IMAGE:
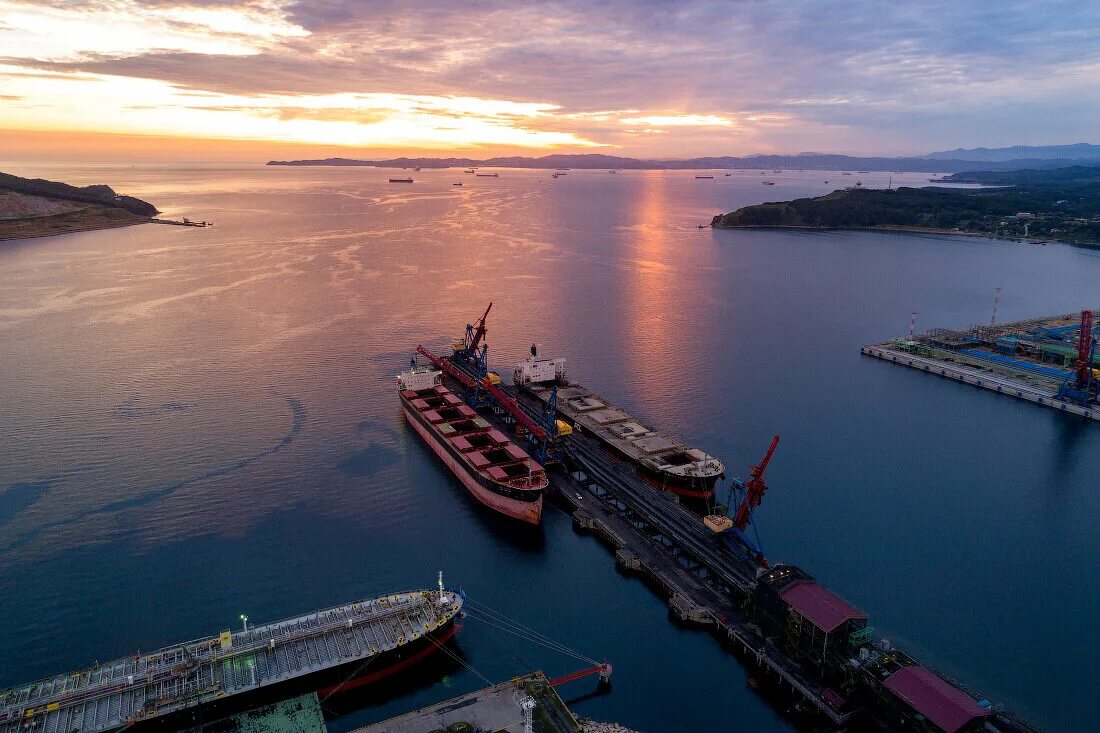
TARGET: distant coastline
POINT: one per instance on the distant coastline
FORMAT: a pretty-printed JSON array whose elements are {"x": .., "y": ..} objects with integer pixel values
[
  {"x": 804, "y": 161},
  {"x": 1060, "y": 205},
  {"x": 32, "y": 208}
]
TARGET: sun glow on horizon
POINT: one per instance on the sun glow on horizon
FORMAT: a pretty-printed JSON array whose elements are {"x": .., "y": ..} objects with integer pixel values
[{"x": 99, "y": 103}]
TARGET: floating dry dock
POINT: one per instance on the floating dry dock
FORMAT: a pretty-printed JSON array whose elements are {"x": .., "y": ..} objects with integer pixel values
[
  {"x": 232, "y": 671},
  {"x": 1048, "y": 361}
]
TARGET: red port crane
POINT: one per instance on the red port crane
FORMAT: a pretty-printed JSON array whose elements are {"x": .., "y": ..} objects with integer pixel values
[
  {"x": 1084, "y": 351},
  {"x": 754, "y": 489},
  {"x": 476, "y": 331},
  {"x": 508, "y": 403}
]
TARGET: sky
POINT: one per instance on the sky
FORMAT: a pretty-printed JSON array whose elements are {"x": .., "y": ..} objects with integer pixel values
[{"x": 168, "y": 79}]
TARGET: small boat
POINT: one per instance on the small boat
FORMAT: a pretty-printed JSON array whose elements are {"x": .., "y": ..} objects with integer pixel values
[
  {"x": 826, "y": 181},
  {"x": 768, "y": 183},
  {"x": 556, "y": 175},
  {"x": 488, "y": 175},
  {"x": 699, "y": 177},
  {"x": 728, "y": 175},
  {"x": 845, "y": 173},
  {"x": 456, "y": 184},
  {"x": 469, "y": 170},
  {"x": 417, "y": 168},
  {"x": 401, "y": 180}
]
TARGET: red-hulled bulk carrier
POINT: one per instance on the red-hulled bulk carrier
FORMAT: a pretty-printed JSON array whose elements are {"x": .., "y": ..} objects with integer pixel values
[{"x": 496, "y": 471}]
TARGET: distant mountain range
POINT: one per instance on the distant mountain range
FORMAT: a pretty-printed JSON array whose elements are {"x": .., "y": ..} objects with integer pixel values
[
  {"x": 810, "y": 161},
  {"x": 1077, "y": 152}
]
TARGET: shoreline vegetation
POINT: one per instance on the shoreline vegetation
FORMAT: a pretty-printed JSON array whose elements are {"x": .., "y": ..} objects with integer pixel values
[
  {"x": 1058, "y": 205},
  {"x": 31, "y": 208}
]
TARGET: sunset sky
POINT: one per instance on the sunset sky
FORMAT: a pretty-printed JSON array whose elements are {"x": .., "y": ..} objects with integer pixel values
[{"x": 120, "y": 79}]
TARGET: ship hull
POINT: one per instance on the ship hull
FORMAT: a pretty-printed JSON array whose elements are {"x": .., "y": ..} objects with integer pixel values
[
  {"x": 692, "y": 487},
  {"x": 353, "y": 675},
  {"x": 525, "y": 511},
  {"x": 695, "y": 487}
]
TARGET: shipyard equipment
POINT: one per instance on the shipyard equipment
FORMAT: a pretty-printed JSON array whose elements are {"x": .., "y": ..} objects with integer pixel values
[
  {"x": 467, "y": 346},
  {"x": 1079, "y": 387},
  {"x": 748, "y": 495},
  {"x": 547, "y": 448}
]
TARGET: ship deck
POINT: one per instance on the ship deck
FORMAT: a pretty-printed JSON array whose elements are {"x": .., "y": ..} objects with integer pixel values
[
  {"x": 118, "y": 693},
  {"x": 486, "y": 450},
  {"x": 599, "y": 417}
]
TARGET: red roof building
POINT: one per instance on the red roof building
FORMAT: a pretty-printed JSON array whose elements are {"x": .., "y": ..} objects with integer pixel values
[
  {"x": 940, "y": 702},
  {"x": 821, "y": 607}
]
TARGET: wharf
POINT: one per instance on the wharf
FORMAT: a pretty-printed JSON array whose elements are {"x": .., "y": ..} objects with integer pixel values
[
  {"x": 657, "y": 538},
  {"x": 499, "y": 708},
  {"x": 1029, "y": 391},
  {"x": 707, "y": 583}
]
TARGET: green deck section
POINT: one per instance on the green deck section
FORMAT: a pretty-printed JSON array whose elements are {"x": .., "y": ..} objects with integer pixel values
[{"x": 296, "y": 715}]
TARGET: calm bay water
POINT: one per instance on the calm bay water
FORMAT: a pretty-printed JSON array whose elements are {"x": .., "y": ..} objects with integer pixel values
[{"x": 196, "y": 423}]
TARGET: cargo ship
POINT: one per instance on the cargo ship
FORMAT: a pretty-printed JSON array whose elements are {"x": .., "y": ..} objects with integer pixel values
[
  {"x": 663, "y": 461},
  {"x": 498, "y": 473},
  {"x": 330, "y": 651}
]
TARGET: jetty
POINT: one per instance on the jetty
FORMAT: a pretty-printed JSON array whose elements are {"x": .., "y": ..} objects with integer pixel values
[
  {"x": 1049, "y": 361},
  {"x": 509, "y": 707},
  {"x": 184, "y": 222},
  {"x": 806, "y": 649}
]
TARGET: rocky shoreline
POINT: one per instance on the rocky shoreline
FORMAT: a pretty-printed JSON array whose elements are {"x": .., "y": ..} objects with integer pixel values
[{"x": 595, "y": 726}]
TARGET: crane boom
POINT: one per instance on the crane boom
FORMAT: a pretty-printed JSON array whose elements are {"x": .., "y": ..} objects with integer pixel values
[
  {"x": 603, "y": 669},
  {"x": 508, "y": 403},
  {"x": 478, "y": 330},
  {"x": 754, "y": 489}
]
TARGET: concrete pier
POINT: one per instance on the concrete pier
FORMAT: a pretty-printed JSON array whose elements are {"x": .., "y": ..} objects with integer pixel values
[
  {"x": 981, "y": 378},
  {"x": 497, "y": 708}
]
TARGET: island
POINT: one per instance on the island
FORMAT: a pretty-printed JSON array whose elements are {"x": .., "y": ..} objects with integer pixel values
[
  {"x": 1061, "y": 204},
  {"x": 34, "y": 207}
]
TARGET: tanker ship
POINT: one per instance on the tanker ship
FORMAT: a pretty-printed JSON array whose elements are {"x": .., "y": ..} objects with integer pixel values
[
  {"x": 331, "y": 650},
  {"x": 498, "y": 473},
  {"x": 663, "y": 461}
]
